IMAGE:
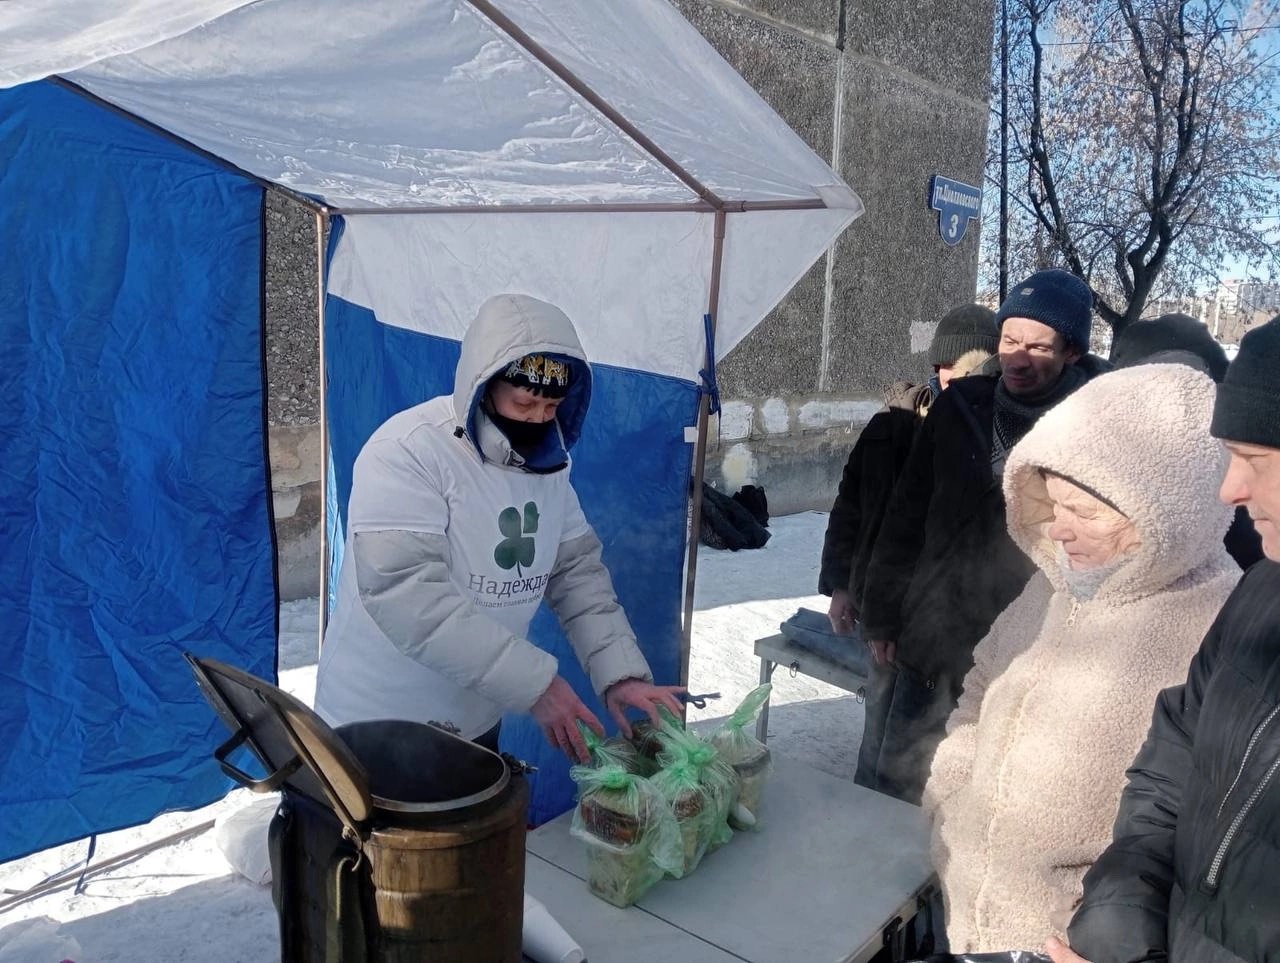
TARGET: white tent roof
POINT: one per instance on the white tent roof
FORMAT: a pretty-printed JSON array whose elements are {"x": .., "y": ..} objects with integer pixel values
[
  {"x": 390, "y": 103},
  {"x": 43, "y": 37},
  {"x": 529, "y": 105}
]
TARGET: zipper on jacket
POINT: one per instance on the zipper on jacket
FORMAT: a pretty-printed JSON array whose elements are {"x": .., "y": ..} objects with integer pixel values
[
  {"x": 1244, "y": 760},
  {"x": 1210, "y": 882},
  {"x": 1071, "y": 616}
]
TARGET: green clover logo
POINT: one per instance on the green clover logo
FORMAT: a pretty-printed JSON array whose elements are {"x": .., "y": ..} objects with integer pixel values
[{"x": 516, "y": 548}]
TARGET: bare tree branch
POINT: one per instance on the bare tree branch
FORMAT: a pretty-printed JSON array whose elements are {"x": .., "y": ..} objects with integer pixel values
[{"x": 1147, "y": 131}]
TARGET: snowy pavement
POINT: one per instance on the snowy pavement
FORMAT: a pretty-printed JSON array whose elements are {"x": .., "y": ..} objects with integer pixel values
[{"x": 182, "y": 902}]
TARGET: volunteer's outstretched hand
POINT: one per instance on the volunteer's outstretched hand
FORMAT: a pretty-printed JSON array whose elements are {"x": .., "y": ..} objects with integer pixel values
[
  {"x": 558, "y": 711},
  {"x": 644, "y": 696}
]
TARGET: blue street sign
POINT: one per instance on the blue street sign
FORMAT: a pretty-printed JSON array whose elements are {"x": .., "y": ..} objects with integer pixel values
[{"x": 956, "y": 203}]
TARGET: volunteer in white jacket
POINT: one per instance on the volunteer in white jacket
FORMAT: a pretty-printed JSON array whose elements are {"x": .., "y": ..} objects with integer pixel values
[
  {"x": 1113, "y": 494},
  {"x": 461, "y": 519}
]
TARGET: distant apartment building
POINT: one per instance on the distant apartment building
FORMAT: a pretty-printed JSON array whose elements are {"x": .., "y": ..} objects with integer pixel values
[
  {"x": 1229, "y": 310},
  {"x": 1241, "y": 304}
]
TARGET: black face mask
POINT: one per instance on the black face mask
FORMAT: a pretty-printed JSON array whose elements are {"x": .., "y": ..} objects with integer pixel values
[{"x": 525, "y": 436}]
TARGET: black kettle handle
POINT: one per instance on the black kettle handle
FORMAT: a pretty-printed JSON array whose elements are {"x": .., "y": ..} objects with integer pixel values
[{"x": 270, "y": 784}]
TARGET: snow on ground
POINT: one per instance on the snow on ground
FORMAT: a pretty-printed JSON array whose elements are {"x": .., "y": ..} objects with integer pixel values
[{"x": 182, "y": 902}]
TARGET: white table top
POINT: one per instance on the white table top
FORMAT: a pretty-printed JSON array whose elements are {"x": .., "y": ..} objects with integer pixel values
[
  {"x": 608, "y": 934},
  {"x": 832, "y": 864}
]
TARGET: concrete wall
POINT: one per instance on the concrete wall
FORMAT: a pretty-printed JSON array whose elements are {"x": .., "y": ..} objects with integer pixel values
[
  {"x": 293, "y": 393},
  {"x": 889, "y": 92}
]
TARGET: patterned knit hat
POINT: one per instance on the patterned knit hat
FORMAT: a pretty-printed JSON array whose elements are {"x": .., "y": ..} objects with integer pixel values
[
  {"x": 1056, "y": 298},
  {"x": 544, "y": 374},
  {"x": 969, "y": 327},
  {"x": 1247, "y": 408}
]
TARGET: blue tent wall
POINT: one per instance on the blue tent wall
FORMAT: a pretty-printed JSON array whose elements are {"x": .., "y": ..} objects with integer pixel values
[
  {"x": 135, "y": 504},
  {"x": 630, "y": 468}
]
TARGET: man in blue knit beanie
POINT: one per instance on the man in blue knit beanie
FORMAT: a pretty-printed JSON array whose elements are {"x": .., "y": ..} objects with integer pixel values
[{"x": 943, "y": 565}]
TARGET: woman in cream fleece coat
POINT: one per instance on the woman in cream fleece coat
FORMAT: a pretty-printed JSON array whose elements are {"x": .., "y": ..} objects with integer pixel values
[{"x": 1025, "y": 786}]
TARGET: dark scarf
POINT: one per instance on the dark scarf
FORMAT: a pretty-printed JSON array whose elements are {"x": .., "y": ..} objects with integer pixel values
[
  {"x": 935, "y": 389},
  {"x": 525, "y": 436},
  {"x": 1015, "y": 415},
  {"x": 536, "y": 442}
]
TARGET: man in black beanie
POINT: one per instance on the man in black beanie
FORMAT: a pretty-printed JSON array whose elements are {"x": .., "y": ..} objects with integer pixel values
[
  {"x": 1191, "y": 872},
  {"x": 943, "y": 565},
  {"x": 1181, "y": 339},
  {"x": 964, "y": 340},
  {"x": 1170, "y": 339}
]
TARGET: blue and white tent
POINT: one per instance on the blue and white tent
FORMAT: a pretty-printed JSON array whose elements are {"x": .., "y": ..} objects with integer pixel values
[{"x": 599, "y": 155}]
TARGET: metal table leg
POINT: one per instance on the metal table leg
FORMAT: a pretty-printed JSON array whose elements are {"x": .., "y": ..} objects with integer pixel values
[{"x": 762, "y": 722}]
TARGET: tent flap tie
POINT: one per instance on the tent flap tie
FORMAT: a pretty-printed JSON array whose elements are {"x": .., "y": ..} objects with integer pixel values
[{"x": 709, "y": 386}]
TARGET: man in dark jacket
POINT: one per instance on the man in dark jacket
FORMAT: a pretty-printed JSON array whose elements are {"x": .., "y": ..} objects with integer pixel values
[
  {"x": 964, "y": 340},
  {"x": 943, "y": 566},
  {"x": 1193, "y": 872}
]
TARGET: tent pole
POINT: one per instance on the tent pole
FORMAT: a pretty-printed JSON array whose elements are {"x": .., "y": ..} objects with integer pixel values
[
  {"x": 68, "y": 877},
  {"x": 322, "y": 231},
  {"x": 620, "y": 207},
  {"x": 676, "y": 207},
  {"x": 699, "y": 462}
]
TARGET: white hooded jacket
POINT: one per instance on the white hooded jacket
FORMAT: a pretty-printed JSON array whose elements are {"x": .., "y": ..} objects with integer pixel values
[
  {"x": 453, "y": 539},
  {"x": 1025, "y": 786}
]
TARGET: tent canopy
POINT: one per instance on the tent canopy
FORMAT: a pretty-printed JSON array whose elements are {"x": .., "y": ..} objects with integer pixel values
[
  {"x": 435, "y": 106},
  {"x": 601, "y": 156}
]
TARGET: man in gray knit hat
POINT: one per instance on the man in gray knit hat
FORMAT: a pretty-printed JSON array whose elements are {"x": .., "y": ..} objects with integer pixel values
[
  {"x": 1191, "y": 872},
  {"x": 943, "y": 565}
]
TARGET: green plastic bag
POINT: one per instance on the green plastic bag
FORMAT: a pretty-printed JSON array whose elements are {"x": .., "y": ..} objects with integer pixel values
[
  {"x": 631, "y": 835},
  {"x": 693, "y": 777},
  {"x": 610, "y": 752},
  {"x": 738, "y": 747},
  {"x": 679, "y": 780},
  {"x": 650, "y": 740}
]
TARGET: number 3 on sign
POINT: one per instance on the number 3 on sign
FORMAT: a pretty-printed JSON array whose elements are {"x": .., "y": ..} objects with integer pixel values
[{"x": 956, "y": 204}]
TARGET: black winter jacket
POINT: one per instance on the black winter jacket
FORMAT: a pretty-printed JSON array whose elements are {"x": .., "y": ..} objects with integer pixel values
[
  {"x": 944, "y": 566},
  {"x": 865, "y": 487},
  {"x": 1193, "y": 872}
]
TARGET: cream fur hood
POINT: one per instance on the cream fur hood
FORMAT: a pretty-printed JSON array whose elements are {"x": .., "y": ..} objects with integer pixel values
[
  {"x": 1025, "y": 786},
  {"x": 1139, "y": 439}
]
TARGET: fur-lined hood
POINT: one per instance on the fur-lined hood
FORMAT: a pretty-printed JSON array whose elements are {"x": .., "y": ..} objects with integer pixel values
[
  {"x": 1138, "y": 439},
  {"x": 918, "y": 398},
  {"x": 971, "y": 362}
]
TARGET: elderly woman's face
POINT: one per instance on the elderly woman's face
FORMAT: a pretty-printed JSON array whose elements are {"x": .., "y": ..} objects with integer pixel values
[{"x": 1092, "y": 533}]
